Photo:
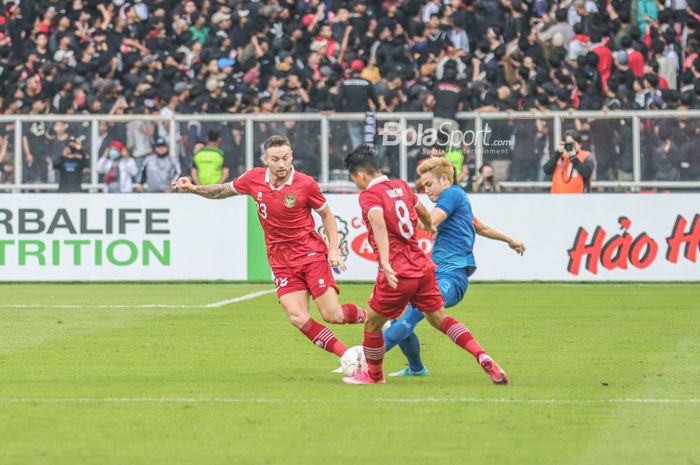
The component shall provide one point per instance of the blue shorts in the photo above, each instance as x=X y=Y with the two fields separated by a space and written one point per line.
x=453 y=285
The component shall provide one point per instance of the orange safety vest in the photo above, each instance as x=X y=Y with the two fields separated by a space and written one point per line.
x=567 y=180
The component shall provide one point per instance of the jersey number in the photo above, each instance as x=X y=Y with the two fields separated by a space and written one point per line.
x=262 y=210
x=405 y=225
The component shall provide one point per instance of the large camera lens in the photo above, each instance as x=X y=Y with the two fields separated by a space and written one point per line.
x=569 y=146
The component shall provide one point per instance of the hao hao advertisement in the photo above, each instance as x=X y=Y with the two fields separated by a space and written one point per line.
x=580 y=238
x=60 y=237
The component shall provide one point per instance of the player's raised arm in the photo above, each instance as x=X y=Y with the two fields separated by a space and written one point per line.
x=493 y=233
x=331 y=228
x=212 y=191
x=381 y=239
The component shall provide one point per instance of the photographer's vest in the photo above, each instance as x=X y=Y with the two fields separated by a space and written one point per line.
x=567 y=180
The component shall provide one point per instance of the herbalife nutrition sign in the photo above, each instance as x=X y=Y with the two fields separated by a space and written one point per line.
x=105 y=237
x=85 y=226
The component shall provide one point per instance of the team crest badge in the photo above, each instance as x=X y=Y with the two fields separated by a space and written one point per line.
x=290 y=200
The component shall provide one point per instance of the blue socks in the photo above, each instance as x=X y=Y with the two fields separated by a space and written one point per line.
x=401 y=332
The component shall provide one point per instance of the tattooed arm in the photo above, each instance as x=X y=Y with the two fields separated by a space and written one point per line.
x=212 y=191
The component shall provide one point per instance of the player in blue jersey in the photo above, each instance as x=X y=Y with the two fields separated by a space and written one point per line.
x=452 y=253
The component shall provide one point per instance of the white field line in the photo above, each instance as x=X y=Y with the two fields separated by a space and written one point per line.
x=252 y=295
x=221 y=303
x=423 y=400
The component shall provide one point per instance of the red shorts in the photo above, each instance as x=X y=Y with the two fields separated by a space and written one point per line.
x=422 y=292
x=315 y=277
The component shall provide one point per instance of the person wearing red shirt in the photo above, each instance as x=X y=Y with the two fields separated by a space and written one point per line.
x=390 y=210
x=605 y=58
x=635 y=59
x=300 y=260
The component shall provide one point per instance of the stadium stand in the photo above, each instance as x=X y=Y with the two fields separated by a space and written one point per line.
x=219 y=56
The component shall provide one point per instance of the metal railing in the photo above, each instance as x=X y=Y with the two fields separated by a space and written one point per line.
x=326 y=143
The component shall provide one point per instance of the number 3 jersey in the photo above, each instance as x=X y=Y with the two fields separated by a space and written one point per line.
x=397 y=201
x=285 y=215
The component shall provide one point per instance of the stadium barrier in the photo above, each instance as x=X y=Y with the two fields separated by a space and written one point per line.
x=516 y=143
x=63 y=237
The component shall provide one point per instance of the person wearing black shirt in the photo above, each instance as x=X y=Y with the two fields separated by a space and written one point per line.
x=449 y=97
x=70 y=164
x=354 y=97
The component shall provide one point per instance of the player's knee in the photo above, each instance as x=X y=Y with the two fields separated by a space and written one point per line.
x=436 y=318
x=298 y=318
x=374 y=323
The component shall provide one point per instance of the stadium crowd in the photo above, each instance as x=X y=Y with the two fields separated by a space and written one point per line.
x=276 y=56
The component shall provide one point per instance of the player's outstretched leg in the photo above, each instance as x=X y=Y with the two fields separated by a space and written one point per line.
x=401 y=333
x=333 y=312
x=461 y=336
x=296 y=305
x=374 y=348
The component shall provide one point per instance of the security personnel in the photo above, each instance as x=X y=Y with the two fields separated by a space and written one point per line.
x=570 y=167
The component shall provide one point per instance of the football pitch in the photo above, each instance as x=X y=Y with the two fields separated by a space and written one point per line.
x=214 y=374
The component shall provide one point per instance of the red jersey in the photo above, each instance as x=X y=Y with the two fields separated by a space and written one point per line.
x=397 y=201
x=285 y=215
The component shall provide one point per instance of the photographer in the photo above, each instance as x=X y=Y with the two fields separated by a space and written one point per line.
x=70 y=165
x=570 y=167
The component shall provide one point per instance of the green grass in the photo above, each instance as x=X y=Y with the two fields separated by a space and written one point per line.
x=238 y=385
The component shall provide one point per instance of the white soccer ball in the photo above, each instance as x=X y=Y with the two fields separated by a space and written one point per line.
x=353 y=361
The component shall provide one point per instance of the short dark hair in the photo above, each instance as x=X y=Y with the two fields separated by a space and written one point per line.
x=213 y=135
x=362 y=158
x=574 y=135
x=276 y=141
x=485 y=165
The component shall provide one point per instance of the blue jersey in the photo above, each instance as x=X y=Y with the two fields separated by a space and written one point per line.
x=455 y=240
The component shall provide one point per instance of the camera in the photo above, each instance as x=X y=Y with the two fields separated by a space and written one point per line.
x=569 y=146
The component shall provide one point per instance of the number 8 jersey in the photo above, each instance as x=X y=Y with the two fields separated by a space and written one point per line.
x=397 y=201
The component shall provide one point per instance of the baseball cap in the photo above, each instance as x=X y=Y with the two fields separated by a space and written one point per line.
x=160 y=142
x=307 y=19
x=220 y=16
x=357 y=65
x=180 y=87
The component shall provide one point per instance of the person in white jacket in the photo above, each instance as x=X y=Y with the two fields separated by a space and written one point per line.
x=118 y=168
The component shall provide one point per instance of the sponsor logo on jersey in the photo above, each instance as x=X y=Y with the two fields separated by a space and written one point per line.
x=259 y=195
x=290 y=200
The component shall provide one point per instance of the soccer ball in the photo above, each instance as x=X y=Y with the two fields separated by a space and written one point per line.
x=353 y=361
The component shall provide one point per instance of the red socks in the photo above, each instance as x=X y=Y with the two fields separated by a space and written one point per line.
x=461 y=336
x=323 y=337
x=374 y=347
x=353 y=314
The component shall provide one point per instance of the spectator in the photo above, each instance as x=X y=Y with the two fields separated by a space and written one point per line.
x=34 y=144
x=355 y=94
x=139 y=134
x=486 y=182
x=70 y=165
x=6 y=167
x=570 y=167
x=449 y=97
x=118 y=168
x=159 y=169
x=209 y=162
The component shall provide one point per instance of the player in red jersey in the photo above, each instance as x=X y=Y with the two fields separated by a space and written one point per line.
x=300 y=260
x=390 y=209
